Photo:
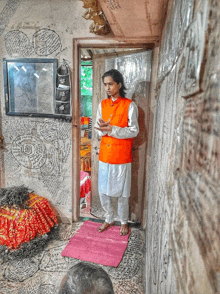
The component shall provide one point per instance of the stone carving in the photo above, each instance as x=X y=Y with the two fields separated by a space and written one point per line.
x=195 y=44
x=49 y=131
x=18 y=43
x=7 y=13
x=42 y=150
x=127 y=286
x=166 y=255
x=41 y=283
x=20 y=270
x=53 y=132
x=136 y=242
x=181 y=73
x=159 y=265
x=9 y=287
x=63 y=197
x=52 y=260
x=46 y=42
x=132 y=262
x=173 y=39
x=29 y=151
x=95 y=13
x=197 y=190
x=67 y=231
x=47 y=289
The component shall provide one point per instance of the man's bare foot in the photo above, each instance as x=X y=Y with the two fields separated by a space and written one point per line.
x=105 y=226
x=124 y=230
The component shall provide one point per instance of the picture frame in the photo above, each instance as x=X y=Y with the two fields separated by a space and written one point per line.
x=30 y=87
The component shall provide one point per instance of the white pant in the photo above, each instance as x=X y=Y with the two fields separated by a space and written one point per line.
x=123 y=208
x=114 y=179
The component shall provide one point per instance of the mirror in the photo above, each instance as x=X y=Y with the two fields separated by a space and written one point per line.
x=30 y=86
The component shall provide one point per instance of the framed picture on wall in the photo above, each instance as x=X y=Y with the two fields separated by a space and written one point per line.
x=30 y=87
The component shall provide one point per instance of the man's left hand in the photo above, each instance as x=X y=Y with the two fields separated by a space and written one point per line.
x=104 y=126
x=107 y=128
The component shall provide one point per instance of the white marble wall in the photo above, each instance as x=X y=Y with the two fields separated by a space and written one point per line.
x=182 y=242
x=22 y=22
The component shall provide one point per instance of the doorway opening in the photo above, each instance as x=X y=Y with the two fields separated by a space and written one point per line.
x=86 y=87
x=90 y=63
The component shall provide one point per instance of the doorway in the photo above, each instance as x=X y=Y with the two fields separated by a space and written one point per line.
x=102 y=57
x=86 y=90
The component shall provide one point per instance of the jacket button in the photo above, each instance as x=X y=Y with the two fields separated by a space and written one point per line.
x=108 y=145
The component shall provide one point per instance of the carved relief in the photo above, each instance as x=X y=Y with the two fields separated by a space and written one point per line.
x=17 y=42
x=44 y=42
x=181 y=73
x=195 y=44
x=52 y=260
x=20 y=270
x=29 y=151
x=38 y=151
x=179 y=17
x=7 y=13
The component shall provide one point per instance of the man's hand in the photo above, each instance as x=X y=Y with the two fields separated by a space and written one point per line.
x=104 y=126
x=103 y=123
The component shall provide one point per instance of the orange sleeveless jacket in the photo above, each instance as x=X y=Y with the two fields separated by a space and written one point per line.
x=112 y=150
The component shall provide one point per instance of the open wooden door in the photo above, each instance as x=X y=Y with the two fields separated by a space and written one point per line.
x=98 y=95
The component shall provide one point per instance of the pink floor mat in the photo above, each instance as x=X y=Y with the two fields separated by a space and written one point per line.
x=106 y=248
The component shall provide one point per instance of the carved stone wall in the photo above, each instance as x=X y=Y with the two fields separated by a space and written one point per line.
x=39 y=29
x=183 y=204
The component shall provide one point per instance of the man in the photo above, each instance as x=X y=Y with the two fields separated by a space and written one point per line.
x=85 y=278
x=117 y=124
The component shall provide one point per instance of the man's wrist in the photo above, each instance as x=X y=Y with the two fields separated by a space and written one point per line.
x=110 y=132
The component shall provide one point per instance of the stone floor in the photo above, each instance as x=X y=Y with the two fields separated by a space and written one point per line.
x=42 y=273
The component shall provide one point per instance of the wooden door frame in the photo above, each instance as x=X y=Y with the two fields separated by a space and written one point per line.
x=77 y=45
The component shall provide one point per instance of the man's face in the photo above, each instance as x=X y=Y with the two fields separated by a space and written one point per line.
x=111 y=87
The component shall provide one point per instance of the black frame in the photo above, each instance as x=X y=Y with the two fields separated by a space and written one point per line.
x=6 y=88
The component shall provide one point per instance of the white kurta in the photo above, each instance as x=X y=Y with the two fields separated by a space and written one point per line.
x=115 y=179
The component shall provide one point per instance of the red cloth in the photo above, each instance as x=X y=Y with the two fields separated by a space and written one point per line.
x=106 y=248
x=85 y=184
x=85 y=121
x=19 y=226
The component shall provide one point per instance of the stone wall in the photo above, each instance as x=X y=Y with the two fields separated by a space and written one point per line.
x=21 y=25
x=183 y=204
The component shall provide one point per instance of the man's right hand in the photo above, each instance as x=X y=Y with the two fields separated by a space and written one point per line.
x=102 y=123
x=104 y=126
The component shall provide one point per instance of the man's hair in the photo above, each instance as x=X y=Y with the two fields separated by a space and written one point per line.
x=118 y=78
x=85 y=278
